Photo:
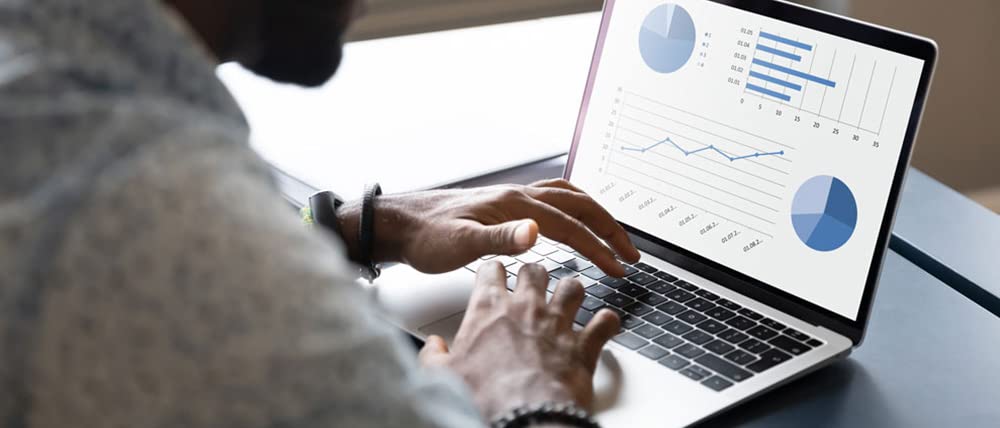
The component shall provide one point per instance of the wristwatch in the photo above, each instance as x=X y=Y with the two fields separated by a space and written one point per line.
x=322 y=211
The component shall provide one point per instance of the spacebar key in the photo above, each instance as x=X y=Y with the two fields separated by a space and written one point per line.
x=723 y=367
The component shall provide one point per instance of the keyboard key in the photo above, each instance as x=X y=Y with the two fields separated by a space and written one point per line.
x=740 y=323
x=594 y=273
x=674 y=362
x=592 y=304
x=797 y=335
x=657 y=318
x=665 y=276
x=723 y=367
x=580 y=256
x=700 y=370
x=638 y=309
x=630 y=322
x=578 y=265
x=694 y=375
x=660 y=287
x=550 y=266
x=769 y=359
x=751 y=314
x=630 y=341
x=551 y=287
x=672 y=308
x=648 y=331
x=712 y=326
x=707 y=295
x=755 y=346
x=642 y=278
x=505 y=260
x=652 y=299
x=680 y=295
x=691 y=317
x=700 y=304
x=563 y=272
x=488 y=256
x=629 y=270
x=733 y=336
x=686 y=285
x=740 y=357
x=543 y=249
x=688 y=350
x=599 y=291
x=619 y=300
x=720 y=313
x=614 y=282
x=717 y=383
x=762 y=333
x=719 y=347
x=645 y=268
x=653 y=352
x=514 y=268
x=668 y=341
x=529 y=257
x=698 y=337
x=583 y=316
x=790 y=345
x=632 y=290
x=565 y=247
x=677 y=327
x=728 y=304
x=773 y=324
x=815 y=343
x=561 y=257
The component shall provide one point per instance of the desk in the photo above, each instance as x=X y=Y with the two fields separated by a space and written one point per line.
x=929 y=360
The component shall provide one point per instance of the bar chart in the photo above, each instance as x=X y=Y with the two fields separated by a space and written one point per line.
x=845 y=88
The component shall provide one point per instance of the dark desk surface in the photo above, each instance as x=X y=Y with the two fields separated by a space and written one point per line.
x=931 y=357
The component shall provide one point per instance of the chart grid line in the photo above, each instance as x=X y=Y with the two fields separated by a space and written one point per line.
x=728 y=165
x=689 y=165
x=661 y=194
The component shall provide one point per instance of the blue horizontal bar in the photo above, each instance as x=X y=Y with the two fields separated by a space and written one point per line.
x=787 y=41
x=776 y=81
x=780 y=53
x=795 y=73
x=765 y=91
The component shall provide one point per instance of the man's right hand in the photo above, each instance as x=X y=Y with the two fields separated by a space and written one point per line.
x=516 y=349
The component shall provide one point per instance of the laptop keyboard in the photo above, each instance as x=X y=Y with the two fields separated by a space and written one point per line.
x=708 y=339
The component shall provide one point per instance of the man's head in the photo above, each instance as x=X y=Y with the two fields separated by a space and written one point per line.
x=294 y=41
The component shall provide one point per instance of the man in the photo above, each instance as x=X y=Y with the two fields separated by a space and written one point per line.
x=151 y=275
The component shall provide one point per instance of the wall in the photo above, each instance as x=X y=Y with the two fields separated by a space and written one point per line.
x=959 y=142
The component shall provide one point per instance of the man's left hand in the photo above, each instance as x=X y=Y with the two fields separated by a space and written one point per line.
x=443 y=230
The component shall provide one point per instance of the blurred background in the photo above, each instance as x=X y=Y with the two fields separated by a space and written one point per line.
x=959 y=142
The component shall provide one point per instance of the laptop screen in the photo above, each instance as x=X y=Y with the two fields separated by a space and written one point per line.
x=764 y=146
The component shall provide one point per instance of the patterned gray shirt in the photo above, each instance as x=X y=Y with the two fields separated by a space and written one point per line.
x=150 y=275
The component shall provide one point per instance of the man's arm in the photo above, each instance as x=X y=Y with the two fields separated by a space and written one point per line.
x=183 y=292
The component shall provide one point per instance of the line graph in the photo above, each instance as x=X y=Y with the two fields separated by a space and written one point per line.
x=731 y=175
x=708 y=148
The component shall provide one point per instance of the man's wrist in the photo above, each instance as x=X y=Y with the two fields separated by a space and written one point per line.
x=391 y=222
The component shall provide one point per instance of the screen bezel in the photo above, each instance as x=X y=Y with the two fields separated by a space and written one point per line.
x=847 y=28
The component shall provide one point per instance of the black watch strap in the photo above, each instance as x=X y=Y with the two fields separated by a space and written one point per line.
x=545 y=413
x=366 y=234
x=323 y=207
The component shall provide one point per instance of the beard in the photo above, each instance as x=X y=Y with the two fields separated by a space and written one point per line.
x=301 y=41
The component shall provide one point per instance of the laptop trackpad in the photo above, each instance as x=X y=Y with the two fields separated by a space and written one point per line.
x=445 y=328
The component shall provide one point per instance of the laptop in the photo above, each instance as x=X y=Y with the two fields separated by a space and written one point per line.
x=755 y=151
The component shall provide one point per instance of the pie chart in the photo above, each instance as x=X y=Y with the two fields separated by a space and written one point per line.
x=824 y=213
x=667 y=38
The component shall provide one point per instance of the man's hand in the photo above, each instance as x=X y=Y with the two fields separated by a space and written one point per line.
x=439 y=231
x=516 y=349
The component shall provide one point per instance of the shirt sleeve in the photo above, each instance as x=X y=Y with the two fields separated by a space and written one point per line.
x=181 y=290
